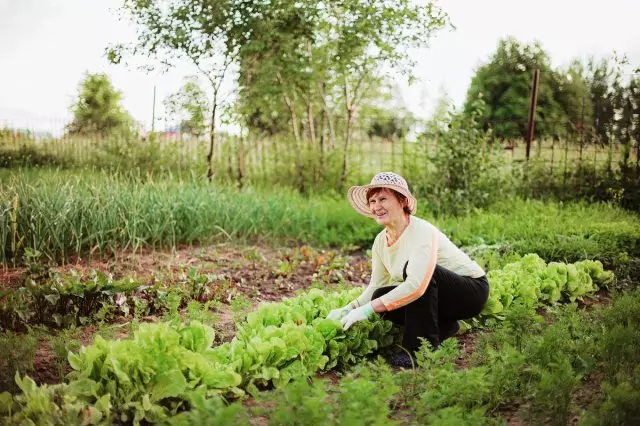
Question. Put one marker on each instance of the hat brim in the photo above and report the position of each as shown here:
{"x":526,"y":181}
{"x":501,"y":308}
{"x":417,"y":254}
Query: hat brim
{"x":357,"y":196}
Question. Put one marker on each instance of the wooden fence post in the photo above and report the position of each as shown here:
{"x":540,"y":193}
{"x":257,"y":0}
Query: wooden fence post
{"x":532,"y":108}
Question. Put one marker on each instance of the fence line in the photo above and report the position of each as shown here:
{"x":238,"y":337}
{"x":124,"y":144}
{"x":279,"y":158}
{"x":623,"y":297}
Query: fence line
{"x":255,"y":159}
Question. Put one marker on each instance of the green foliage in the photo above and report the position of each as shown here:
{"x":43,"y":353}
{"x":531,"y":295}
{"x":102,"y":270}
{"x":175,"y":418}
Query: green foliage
{"x":442,"y":394}
{"x":61,"y":216}
{"x":565,"y":102}
{"x":622,"y":403}
{"x":51,"y":405}
{"x":386,"y":124}
{"x":299,"y":404}
{"x":65,"y":214}
{"x":323,"y":66}
{"x":555,"y":231}
{"x":165,"y":366}
{"x":361,"y":398}
{"x":459,"y":416}
{"x":507,"y":367}
{"x":466,"y":166}
{"x":190,"y":106}
{"x":531,"y":282}
{"x":62,"y":301}
{"x":364,"y":395}
{"x":615,"y":101}
{"x":18,"y":356}
{"x":200,"y":312}
{"x":505,"y":83}
{"x":28,"y":156}
{"x":612,"y":182}
{"x":240,"y":306}
{"x":620,"y":342}
{"x":553,"y":392}
{"x":68,"y":300}
{"x":98,"y":110}
{"x":62,"y":344}
{"x":211,"y":410}
{"x":170,"y":369}
{"x":618,"y":348}
{"x":587,"y":101}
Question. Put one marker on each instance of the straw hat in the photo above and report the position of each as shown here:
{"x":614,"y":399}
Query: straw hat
{"x":357,"y":195}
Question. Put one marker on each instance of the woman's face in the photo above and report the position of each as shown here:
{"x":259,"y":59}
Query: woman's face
{"x":386,"y":207}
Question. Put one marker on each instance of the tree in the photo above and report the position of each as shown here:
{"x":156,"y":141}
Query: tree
{"x":572,"y":92}
{"x":388,"y":126}
{"x":202,"y":32}
{"x":615,"y":103}
{"x":504,"y":83}
{"x":327,"y":55}
{"x":190,"y":103}
{"x":97,"y":109}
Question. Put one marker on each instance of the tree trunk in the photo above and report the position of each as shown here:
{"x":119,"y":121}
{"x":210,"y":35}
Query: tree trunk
{"x":311,"y":123}
{"x":347,"y":139}
{"x":292,"y":109}
{"x":327,"y":114}
{"x":294,"y":118}
{"x":296,"y":137}
{"x":320,"y":168}
{"x":212,"y":136}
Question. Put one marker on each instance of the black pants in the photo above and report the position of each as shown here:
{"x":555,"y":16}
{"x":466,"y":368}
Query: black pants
{"x":434,"y":316}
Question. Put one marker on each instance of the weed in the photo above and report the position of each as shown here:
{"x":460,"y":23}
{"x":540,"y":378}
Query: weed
{"x":19,"y":356}
{"x":61,"y":344}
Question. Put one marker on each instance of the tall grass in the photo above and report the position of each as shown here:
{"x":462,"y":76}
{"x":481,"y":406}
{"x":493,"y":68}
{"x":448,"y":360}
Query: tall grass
{"x":62,"y":214}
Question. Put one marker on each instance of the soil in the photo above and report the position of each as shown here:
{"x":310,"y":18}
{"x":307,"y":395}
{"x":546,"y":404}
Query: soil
{"x":260,"y":273}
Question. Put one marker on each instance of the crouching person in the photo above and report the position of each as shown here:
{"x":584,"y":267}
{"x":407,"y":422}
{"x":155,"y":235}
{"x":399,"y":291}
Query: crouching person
{"x":419,"y":278}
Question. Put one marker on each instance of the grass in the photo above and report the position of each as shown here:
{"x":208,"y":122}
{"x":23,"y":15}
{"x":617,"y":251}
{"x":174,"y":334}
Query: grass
{"x":62,"y":214}
{"x":559,"y":231}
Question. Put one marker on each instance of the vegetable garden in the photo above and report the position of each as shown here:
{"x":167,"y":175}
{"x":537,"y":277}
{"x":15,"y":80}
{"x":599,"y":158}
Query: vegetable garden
{"x":169,"y":302}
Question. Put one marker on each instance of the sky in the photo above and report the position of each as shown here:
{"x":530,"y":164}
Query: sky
{"x":46,"y":46}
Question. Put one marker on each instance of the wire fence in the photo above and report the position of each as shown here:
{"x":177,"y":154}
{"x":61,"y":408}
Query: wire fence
{"x":565,"y":150}
{"x":375,"y":151}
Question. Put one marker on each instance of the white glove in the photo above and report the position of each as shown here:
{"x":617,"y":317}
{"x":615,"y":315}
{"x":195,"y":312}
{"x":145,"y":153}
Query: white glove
{"x":338,"y":314}
{"x":360,"y":314}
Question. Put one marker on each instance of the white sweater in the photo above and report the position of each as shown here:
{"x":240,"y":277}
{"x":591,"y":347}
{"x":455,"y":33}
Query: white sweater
{"x":423,"y":246}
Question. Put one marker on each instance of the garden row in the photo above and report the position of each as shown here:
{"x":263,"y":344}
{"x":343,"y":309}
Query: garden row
{"x":170,"y":367}
{"x":64,"y":216}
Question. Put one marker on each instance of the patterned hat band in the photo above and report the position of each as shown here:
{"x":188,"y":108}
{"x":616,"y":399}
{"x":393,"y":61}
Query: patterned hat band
{"x":357,"y":195}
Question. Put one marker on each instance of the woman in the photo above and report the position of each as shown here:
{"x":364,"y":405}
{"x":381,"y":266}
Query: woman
{"x":419,"y":278}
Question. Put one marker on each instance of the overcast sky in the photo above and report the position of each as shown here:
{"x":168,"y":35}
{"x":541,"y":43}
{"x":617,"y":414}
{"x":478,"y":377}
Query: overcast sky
{"x":47,"y":45}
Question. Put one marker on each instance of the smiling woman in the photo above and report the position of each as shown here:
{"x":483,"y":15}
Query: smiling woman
{"x":420,"y":280}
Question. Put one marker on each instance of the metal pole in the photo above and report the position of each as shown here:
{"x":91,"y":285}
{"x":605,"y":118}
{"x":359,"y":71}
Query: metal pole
{"x":532,"y":108}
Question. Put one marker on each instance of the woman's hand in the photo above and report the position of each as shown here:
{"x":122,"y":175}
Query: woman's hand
{"x":359,"y":314}
{"x":338,"y":314}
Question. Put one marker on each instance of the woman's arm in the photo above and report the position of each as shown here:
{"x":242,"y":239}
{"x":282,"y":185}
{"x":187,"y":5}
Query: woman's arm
{"x":378,"y":306}
{"x":422,"y":263}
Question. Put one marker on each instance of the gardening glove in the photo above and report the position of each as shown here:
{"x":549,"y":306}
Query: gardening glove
{"x":338,"y":314}
{"x":359,"y":314}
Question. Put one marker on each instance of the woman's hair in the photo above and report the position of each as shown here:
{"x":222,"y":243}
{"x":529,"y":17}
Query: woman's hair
{"x":401,"y":198}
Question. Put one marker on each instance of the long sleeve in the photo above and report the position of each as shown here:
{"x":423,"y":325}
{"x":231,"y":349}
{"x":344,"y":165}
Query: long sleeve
{"x":379,"y":275}
{"x":422,"y":264}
